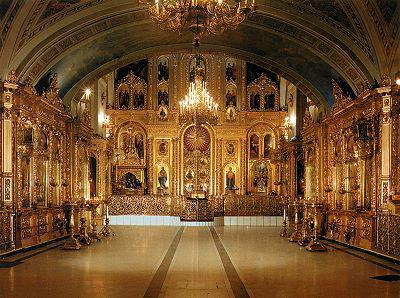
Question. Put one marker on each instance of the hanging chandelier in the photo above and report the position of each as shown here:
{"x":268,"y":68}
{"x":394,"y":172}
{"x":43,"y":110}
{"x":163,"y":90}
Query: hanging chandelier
{"x":198,"y":106}
{"x":201,"y":17}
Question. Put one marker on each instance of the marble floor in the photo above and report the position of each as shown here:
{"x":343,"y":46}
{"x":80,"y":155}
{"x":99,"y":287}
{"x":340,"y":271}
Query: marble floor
{"x":231,"y":261}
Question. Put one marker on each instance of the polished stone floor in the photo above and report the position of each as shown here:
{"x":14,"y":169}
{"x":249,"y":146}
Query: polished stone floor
{"x":196,"y":262}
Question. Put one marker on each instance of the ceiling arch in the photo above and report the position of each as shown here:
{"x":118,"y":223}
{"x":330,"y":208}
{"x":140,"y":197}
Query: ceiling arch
{"x":304,"y":40}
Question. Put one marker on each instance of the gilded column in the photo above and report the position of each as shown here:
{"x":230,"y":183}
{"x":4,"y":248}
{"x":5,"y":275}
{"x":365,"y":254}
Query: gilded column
{"x":386,"y":144}
{"x":150,"y":169}
{"x":242,"y":165}
{"x":175,"y":167}
{"x":7,"y":150}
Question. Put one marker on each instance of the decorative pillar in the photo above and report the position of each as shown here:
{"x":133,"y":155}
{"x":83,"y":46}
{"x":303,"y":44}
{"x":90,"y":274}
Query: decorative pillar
{"x":6,"y":129}
{"x":175,"y":167}
{"x":386,"y":145}
{"x":9,"y":86}
{"x":242,"y":166}
{"x":150,"y":170}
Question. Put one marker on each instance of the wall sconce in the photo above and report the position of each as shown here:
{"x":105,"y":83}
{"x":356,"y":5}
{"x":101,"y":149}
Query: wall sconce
{"x":397,"y":78}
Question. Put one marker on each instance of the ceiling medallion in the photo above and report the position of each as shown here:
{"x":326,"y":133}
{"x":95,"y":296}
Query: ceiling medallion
{"x":201,"y":17}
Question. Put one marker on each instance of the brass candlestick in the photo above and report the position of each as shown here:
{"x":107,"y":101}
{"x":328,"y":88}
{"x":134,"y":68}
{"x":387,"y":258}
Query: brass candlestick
{"x":93,"y":235}
{"x":284,"y":230}
{"x":305,"y":237}
{"x":296,"y":235}
{"x":83,"y":235}
{"x":314,"y":244}
{"x":106,"y":230}
{"x":71,"y":243}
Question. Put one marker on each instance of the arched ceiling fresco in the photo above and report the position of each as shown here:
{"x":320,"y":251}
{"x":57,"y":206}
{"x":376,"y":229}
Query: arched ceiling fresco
{"x":310,"y":42}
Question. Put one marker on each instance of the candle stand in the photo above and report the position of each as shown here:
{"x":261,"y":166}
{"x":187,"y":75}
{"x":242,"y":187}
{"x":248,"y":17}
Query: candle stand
{"x":296,"y":235}
{"x":305,"y":237}
{"x":284,"y":230}
{"x":93,"y":235}
{"x":83,"y":235}
{"x":71,"y":243}
{"x":314,"y":244}
{"x":106,"y":230}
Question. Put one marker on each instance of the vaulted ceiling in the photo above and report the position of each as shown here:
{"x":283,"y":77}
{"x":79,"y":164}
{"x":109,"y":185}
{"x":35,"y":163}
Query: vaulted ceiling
{"x":310,"y":42}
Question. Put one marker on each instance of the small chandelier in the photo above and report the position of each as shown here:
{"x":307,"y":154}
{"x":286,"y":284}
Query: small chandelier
{"x":201,"y":17}
{"x":198,"y":106}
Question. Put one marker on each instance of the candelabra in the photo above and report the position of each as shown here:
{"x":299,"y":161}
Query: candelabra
{"x":93,"y":235}
{"x":305,"y":237}
{"x":296,"y":235}
{"x":284,"y":230}
{"x":71,"y":243}
{"x":106,"y":230}
{"x":83,"y":235}
{"x":314,"y":244}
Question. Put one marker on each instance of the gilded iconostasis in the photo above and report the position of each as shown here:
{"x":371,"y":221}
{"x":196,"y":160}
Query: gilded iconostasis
{"x":155,"y":153}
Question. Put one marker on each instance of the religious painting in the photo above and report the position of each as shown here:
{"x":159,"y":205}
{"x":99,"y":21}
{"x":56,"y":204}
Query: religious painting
{"x":255,"y":100}
{"x":43,"y":141}
{"x":163,"y":69}
{"x":131,"y":145}
{"x":231,"y":70}
{"x":260,"y":177}
{"x":231,"y":96}
{"x":138,"y":98}
{"x":254,"y":146}
{"x":163,"y":177}
{"x":269,"y":101}
{"x":200,"y":67}
{"x":267,"y":145}
{"x":92,"y":176}
{"x":163,"y":148}
{"x":230,"y":177}
{"x":163,"y":97}
{"x":28,"y":136}
{"x":139,"y":145}
{"x":132,"y":181}
{"x":230,"y":113}
{"x":56,"y":147}
{"x":124,"y":100}
{"x":230,"y":148}
{"x":162,"y":113}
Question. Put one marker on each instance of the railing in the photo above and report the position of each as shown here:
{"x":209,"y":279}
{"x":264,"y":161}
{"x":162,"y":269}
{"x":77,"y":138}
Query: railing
{"x":5,"y":231}
{"x":238,"y":205}
{"x":388,"y":234}
{"x":229,"y":205}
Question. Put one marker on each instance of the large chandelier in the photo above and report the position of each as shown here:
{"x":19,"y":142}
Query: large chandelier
{"x":199,"y":16}
{"x":198,"y":106}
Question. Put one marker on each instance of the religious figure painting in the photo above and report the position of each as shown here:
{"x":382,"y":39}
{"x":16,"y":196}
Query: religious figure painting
{"x":163,"y":69}
{"x":162,"y":112}
{"x":231,"y":113}
{"x":131,"y":181}
{"x":231,"y":70}
{"x":138,"y":99}
{"x":162,"y":178}
{"x":231,"y":97}
{"x":269,"y":101}
{"x":139,"y":145}
{"x":267,"y":145}
{"x":201,"y":66}
{"x":43,"y":142}
{"x":255,"y":100}
{"x":230,"y":148}
{"x":162,"y":148}
{"x":124,"y":97}
{"x":254,"y":146}
{"x":163,"y":98}
{"x":230,"y":179}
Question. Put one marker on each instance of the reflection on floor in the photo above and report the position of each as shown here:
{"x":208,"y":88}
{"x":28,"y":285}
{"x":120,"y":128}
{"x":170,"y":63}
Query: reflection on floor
{"x":196,"y":262}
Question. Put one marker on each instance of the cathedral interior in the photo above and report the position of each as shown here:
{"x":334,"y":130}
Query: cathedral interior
{"x":200,"y":148}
